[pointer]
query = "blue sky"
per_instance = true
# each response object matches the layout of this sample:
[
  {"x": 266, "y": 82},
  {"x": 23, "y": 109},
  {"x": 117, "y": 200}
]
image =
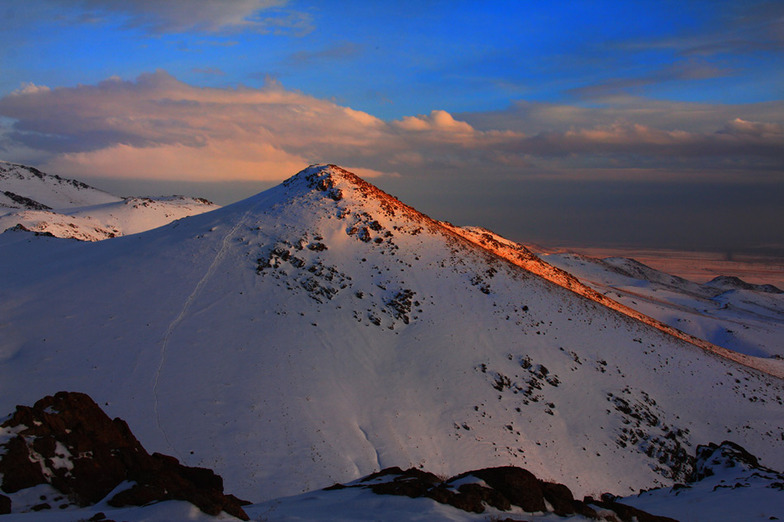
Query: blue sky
[
  {"x": 394, "y": 59},
  {"x": 560, "y": 102}
]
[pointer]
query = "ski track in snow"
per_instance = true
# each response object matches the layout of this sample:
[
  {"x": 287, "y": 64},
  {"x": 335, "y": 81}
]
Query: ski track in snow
[
  {"x": 372, "y": 446},
  {"x": 177, "y": 320}
]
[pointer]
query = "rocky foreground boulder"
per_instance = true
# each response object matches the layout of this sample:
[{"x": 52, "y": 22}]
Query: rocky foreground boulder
[{"x": 69, "y": 443}]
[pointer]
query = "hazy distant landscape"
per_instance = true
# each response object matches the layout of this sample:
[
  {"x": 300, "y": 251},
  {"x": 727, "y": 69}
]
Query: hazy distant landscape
[{"x": 696, "y": 266}]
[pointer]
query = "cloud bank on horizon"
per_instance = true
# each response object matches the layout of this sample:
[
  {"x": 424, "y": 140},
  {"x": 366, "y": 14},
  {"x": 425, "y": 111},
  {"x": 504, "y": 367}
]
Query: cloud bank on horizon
[
  {"x": 159, "y": 127},
  {"x": 257, "y": 89}
]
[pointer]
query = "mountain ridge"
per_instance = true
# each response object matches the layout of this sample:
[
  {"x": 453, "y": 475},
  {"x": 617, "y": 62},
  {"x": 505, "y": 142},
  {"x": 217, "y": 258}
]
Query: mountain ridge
[
  {"x": 520, "y": 256},
  {"x": 48, "y": 204},
  {"x": 745, "y": 318},
  {"x": 523, "y": 257},
  {"x": 50, "y": 191}
]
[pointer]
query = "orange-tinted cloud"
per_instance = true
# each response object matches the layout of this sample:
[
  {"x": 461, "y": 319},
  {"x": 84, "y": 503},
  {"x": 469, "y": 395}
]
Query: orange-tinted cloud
[
  {"x": 160, "y": 127},
  {"x": 437, "y": 121}
]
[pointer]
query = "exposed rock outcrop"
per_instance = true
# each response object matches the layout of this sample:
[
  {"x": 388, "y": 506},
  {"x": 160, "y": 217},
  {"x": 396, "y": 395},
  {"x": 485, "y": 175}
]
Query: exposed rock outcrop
[
  {"x": 68, "y": 442},
  {"x": 501, "y": 488}
]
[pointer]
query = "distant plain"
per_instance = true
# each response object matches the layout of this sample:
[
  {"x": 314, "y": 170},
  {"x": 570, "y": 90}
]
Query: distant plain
[{"x": 697, "y": 266}]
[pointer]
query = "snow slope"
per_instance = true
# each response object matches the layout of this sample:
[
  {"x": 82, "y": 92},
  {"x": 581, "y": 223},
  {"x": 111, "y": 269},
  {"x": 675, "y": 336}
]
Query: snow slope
[
  {"x": 322, "y": 330},
  {"x": 65, "y": 208},
  {"x": 44, "y": 190},
  {"x": 725, "y": 311}
]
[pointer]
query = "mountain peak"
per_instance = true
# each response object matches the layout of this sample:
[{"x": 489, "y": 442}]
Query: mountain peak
[
  {"x": 321, "y": 175},
  {"x": 336, "y": 183},
  {"x": 324, "y": 178},
  {"x": 364, "y": 208}
]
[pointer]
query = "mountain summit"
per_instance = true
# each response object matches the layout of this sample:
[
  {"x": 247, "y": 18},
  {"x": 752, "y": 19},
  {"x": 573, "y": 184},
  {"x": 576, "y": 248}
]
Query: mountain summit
[{"x": 323, "y": 330}]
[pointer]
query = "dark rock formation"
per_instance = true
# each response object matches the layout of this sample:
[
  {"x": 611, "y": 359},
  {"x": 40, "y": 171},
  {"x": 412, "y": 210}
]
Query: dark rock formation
[
  {"x": 501, "y": 488},
  {"x": 67, "y": 441},
  {"x": 412, "y": 483},
  {"x": 520, "y": 486},
  {"x": 562, "y": 500},
  {"x": 26, "y": 202},
  {"x": 21, "y": 228}
]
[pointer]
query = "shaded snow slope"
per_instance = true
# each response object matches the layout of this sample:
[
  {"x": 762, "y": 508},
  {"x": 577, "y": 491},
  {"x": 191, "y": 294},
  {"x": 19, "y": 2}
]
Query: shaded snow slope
[
  {"x": 99, "y": 222},
  {"x": 44, "y": 190},
  {"x": 725, "y": 311},
  {"x": 65, "y": 208},
  {"x": 322, "y": 330}
]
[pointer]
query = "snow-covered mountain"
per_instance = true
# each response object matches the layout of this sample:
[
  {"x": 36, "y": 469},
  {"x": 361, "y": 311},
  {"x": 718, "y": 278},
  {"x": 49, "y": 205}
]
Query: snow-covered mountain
[
  {"x": 322, "y": 330},
  {"x": 28, "y": 188},
  {"x": 726, "y": 311},
  {"x": 605, "y": 270},
  {"x": 66, "y": 208}
]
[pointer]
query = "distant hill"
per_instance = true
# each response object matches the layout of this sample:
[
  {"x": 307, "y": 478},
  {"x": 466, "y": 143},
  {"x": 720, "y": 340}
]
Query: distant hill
[{"x": 66, "y": 208}]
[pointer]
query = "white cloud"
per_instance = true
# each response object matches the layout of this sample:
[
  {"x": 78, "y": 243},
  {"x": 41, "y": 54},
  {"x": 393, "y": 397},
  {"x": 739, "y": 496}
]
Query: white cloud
[
  {"x": 739, "y": 126},
  {"x": 31, "y": 88}
]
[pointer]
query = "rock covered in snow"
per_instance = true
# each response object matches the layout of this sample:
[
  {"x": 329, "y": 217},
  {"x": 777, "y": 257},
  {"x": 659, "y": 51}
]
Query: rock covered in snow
[
  {"x": 715, "y": 459},
  {"x": 728, "y": 483},
  {"x": 731, "y": 283},
  {"x": 67, "y": 441}
]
